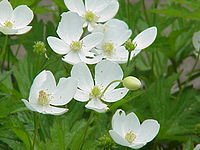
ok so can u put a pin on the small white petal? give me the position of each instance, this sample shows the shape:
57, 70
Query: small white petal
97, 106
120, 55
75, 6
95, 5
132, 123
43, 81
137, 145
91, 60
135, 52
64, 91
197, 147
115, 95
109, 12
118, 121
23, 30
22, 16
116, 32
81, 96
82, 73
54, 110
58, 45
92, 40
145, 38
5, 11
70, 27
72, 58
106, 72
28, 105
148, 130
196, 40
118, 139
8, 31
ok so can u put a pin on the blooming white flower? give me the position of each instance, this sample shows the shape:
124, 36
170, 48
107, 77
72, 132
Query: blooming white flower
14, 21
71, 45
128, 131
105, 73
196, 40
197, 147
44, 93
94, 11
143, 40
116, 33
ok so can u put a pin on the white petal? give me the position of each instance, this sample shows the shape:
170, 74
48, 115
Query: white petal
64, 91
23, 30
8, 31
82, 73
70, 27
132, 123
135, 52
58, 45
118, 121
97, 106
137, 145
116, 32
5, 11
119, 56
43, 81
22, 16
72, 58
109, 12
106, 72
118, 139
148, 130
145, 38
28, 105
92, 40
90, 60
81, 96
115, 95
197, 147
95, 5
75, 6
54, 110
196, 40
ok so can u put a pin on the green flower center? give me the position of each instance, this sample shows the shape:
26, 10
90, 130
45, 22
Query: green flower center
108, 48
76, 46
43, 98
95, 91
90, 17
130, 137
129, 45
8, 24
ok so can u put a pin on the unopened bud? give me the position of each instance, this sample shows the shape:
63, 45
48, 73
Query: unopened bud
129, 45
132, 83
39, 48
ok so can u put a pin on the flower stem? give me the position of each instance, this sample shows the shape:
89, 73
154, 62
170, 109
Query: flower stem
129, 56
86, 129
108, 87
36, 125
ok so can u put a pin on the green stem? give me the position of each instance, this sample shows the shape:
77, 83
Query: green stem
86, 129
108, 87
129, 56
36, 125
4, 46
145, 12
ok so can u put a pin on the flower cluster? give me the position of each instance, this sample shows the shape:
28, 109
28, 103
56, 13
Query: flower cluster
88, 34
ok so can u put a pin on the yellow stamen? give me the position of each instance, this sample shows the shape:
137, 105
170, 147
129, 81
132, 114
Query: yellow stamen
130, 137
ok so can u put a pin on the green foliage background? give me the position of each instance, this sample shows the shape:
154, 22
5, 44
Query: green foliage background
178, 112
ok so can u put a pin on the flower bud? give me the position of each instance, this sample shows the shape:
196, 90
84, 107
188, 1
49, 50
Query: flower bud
129, 45
105, 142
132, 83
39, 47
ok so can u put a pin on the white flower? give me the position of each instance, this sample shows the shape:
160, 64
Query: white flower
44, 93
105, 73
14, 21
116, 33
197, 147
94, 11
71, 45
128, 131
144, 39
196, 41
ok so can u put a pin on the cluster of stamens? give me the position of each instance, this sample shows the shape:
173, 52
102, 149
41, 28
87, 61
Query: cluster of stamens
108, 48
130, 137
43, 98
90, 16
76, 46
8, 24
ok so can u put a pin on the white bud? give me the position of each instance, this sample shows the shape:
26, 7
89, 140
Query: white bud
132, 83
